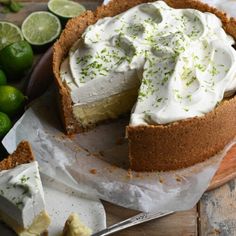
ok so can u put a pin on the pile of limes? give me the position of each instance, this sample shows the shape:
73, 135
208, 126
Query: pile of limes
16, 54
11, 101
14, 60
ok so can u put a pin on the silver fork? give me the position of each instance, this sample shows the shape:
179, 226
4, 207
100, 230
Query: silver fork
135, 220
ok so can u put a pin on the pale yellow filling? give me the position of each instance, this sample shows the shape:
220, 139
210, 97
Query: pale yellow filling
74, 227
39, 225
105, 109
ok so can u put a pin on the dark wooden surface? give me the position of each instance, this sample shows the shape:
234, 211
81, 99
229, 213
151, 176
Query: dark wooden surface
215, 214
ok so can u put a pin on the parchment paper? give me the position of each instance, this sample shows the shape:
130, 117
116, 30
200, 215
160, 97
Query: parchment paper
98, 160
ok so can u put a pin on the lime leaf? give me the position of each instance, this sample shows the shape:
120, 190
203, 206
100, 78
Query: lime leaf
15, 6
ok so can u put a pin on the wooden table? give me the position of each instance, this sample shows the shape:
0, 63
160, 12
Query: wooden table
215, 214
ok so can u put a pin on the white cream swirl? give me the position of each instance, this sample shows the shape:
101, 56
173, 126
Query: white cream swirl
182, 58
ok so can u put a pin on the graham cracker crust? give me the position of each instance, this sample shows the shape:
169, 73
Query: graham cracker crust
22, 155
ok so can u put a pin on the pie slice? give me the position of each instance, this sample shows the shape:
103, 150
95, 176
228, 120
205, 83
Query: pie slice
22, 205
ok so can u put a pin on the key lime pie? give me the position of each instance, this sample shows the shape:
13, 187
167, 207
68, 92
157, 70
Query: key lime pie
170, 64
22, 205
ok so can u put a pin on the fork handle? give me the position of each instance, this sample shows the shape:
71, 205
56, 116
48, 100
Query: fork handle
135, 220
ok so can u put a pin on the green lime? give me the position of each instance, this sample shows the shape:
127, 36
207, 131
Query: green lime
41, 28
3, 78
16, 58
5, 124
9, 33
65, 8
11, 100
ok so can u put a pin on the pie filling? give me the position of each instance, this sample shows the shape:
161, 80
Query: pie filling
38, 226
22, 200
104, 109
176, 63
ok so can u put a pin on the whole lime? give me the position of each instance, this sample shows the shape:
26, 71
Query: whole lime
11, 100
5, 124
3, 78
16, 58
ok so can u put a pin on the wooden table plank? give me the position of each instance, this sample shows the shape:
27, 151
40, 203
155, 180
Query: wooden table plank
179, 224
217, 211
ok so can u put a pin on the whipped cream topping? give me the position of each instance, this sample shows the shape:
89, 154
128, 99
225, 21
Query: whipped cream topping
182, 58
21, 194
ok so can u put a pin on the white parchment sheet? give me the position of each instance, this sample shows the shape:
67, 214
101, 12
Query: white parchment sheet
98, 160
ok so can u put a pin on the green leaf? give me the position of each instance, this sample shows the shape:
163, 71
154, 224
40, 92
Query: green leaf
15, 6
10, 5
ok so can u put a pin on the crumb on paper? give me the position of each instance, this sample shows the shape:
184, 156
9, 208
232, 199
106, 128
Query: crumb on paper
70, 136
112, 168
215, 232
161, 180
96, 154
86, 150
58, 136
178, 178
75, 148
101, 153
93, 171
129, 174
